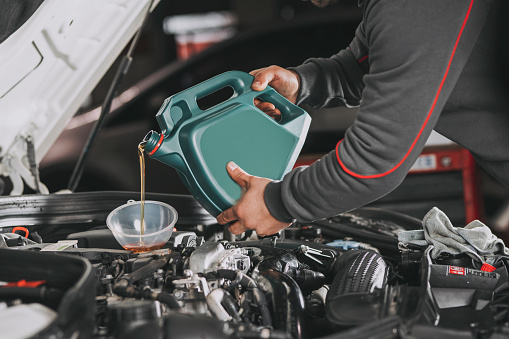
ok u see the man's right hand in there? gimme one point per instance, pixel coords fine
(285, 82)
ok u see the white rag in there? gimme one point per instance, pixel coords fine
(475, 239)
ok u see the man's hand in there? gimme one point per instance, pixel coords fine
(250, 212)
(285, 82)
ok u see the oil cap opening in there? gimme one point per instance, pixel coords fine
(153, 141)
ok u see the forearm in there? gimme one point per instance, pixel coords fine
(323, 190)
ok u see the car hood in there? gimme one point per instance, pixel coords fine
(49, 66)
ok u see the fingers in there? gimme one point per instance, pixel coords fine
(242, 179)
(285, 82)
(268, 108)
(275, 114)
(237, 228)
(237, 174)
(227, 216)
(262, 78)
(253, 72)
(230, 215)
(256, 83)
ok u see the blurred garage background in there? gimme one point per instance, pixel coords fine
(185, 43)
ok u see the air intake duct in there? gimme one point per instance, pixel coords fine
(357, 293)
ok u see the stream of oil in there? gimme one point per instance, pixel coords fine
(141, 247)
(141, 155)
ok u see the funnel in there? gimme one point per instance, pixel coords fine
(125, 224)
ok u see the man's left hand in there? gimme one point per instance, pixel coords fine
(250, 213)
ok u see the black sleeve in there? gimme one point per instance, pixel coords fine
(14, 13)
(336, 81)
(417, 50)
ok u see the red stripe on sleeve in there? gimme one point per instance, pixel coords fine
(373, 176)
(363, 58)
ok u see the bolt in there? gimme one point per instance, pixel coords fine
(446, 161)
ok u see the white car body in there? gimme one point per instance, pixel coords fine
(48, 68)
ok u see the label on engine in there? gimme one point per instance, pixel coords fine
(457, 270)
(469, 271)
(445, 276)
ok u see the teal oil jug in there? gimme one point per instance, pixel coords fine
(199, 143)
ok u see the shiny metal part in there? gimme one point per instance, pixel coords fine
(213, 256)
(312, 253)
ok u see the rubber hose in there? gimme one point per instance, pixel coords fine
(262, 304)
(147, 269)
(40, 294)
(248, 283)
(169, 300)
(229, 304)
(356, 295)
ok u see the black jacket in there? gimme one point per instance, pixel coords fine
(413, 66)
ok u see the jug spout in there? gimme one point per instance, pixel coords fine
(153, 141)
(165, 150)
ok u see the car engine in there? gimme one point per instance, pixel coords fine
(343, 277)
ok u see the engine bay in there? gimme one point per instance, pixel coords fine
(341, 277)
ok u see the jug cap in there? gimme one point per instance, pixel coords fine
(152, 142)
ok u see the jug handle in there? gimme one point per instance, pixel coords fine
(240, 82)
(289, 111)
(184, 104)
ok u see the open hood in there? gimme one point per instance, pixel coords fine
(49, 66)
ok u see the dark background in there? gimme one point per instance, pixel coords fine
(282, 32)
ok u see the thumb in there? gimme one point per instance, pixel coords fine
(237, 174)
(261, 80)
